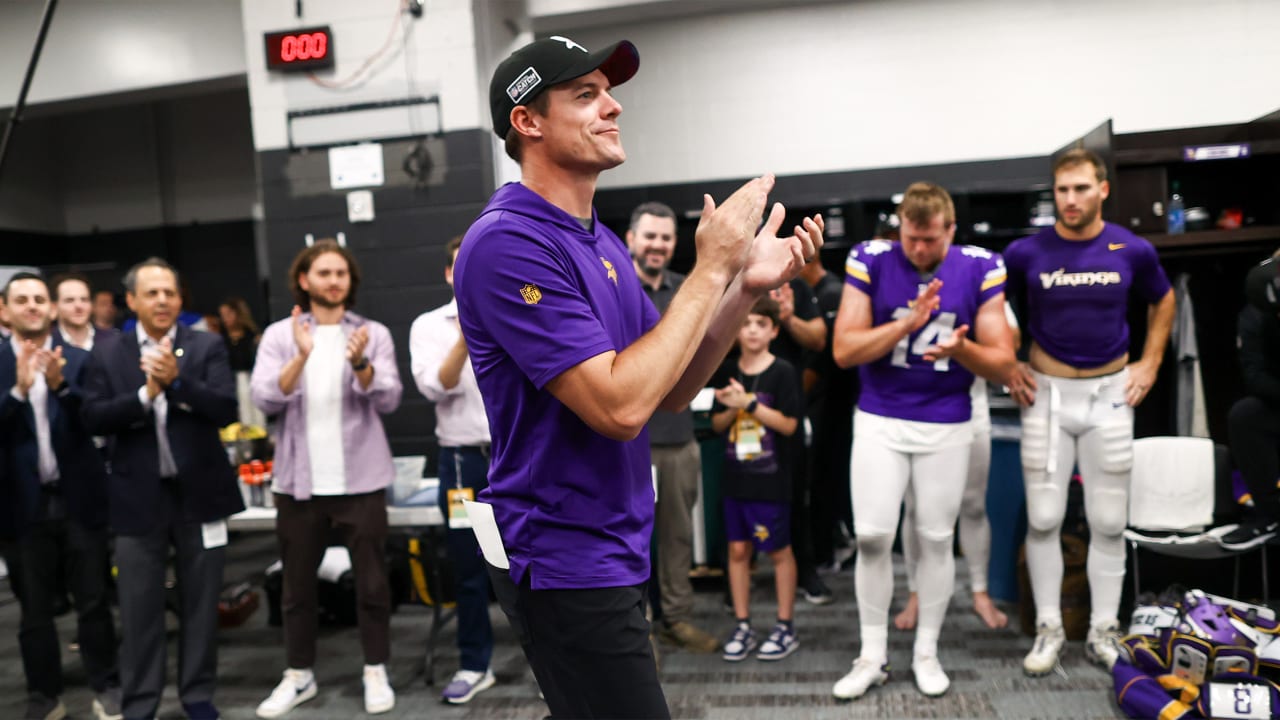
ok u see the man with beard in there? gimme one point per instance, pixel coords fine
(1078, 393)
(71, 297)
(677, 460)
(328, 374)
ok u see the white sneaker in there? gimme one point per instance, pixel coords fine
(297, 687)
(378, 695)
(930, 678)
(1046, 650)
(1102, 646)
(865, 673)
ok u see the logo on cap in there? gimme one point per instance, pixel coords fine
(528, 80)
(569, 44)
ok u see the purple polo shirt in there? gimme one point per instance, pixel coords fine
(538, 294)
(1077, 291)
(902, 384)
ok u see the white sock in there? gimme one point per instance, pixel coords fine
(875, 643)
(926, 642)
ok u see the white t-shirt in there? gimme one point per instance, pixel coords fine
(323, 375)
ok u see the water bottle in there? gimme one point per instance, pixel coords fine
(1176, 216)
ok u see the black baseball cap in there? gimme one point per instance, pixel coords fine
(543, 63)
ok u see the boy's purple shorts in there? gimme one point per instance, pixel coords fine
(765, 523)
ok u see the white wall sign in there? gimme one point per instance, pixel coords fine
(354, 166)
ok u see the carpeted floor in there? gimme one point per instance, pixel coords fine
(985, 667)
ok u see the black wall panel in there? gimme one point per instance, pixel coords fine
(401, 252)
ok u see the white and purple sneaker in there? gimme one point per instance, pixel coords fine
(465, 684)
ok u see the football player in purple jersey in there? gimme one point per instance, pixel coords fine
(1078, 393)
(920, 317)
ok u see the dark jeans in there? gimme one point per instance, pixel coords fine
(51, 543)
(468, 467)
(589, 649)
(302, 529)
(1255, 444)
(801, 520)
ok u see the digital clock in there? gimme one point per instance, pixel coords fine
(302, 49)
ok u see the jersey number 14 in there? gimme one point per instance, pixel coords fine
(940, 327)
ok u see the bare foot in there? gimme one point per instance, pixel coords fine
(906, 620)
(984, 608)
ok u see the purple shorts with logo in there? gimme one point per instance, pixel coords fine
(767, 524)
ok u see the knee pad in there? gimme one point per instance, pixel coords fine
(1117, 448)
(1044, 513)
(875, 544)
(973, 504)
(930, 536)
(1107, 512)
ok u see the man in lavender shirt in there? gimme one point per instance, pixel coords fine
(328, 374)
(572, 359)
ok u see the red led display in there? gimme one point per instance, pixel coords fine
(302, 49)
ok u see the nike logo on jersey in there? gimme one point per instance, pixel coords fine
(1114, 246)
(1117, 405)
(1062, 278)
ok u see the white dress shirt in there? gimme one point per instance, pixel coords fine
(159, 406)
(38, 396)
(88, 343)
(460, 417)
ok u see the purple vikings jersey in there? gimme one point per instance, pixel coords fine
(537, 295)
(1077, 291)
(902, 384)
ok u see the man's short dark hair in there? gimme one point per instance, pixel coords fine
(769, 308)
(538, 105)
(656, 209)
(1080, 156)
(302, 265)
(131, 277)
(24, 275)
(57, 281)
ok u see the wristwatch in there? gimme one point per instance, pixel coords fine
(751, 406)
(360, 366)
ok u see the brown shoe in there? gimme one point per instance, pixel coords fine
(690, 637)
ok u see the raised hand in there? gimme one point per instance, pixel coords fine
(160, 364)
(356, 344)
(947, 347)
(25, 368)
(733, 395)
(923, 307)
(301, 333)
(774, 260)
(52, 362)
(786, 299)
(724, 234)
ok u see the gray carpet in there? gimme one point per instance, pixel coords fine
(984, 665)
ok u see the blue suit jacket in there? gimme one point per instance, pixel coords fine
(201, 400)
(83, 478)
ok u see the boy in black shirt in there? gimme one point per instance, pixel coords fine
(758, 408)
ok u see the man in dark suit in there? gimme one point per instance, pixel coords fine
(160, 394)
(54, 492)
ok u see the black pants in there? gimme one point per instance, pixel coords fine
(589, 649)
(142, 561)
(1255, 444)
(53, 542)
(302, 527)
